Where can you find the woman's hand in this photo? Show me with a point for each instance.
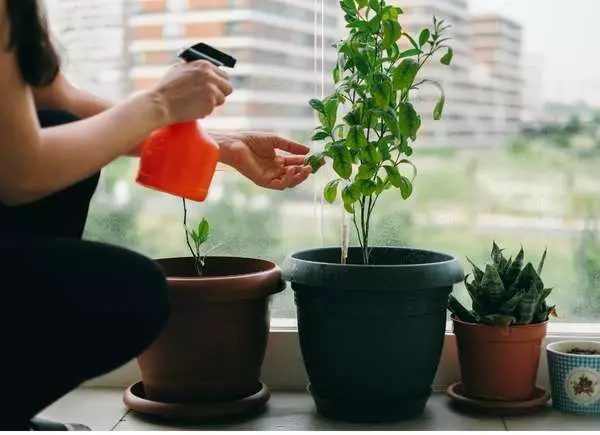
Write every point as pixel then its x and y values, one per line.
pixel 191 91
pixel 254 156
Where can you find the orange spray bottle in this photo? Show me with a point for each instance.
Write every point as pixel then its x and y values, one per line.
pixel 181 159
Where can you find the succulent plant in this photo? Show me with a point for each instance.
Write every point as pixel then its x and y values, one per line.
pixel 505 293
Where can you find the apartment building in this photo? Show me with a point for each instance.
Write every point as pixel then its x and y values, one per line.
pixel 483 86
pixel 278 44
pixel 497 45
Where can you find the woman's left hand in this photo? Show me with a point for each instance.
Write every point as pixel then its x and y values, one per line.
pixel 254 155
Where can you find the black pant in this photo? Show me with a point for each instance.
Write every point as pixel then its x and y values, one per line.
pixel 70 310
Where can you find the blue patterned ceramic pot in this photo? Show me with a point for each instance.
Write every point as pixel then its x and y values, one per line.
pixel 575 376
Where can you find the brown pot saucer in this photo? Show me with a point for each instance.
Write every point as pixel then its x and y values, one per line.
pixel 134 398
pixel 497 408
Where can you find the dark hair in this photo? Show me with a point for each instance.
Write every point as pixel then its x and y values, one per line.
pixel 30 41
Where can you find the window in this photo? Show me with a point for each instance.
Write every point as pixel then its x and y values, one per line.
pixel 493 176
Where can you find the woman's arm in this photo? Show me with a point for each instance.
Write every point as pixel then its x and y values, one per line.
pixel 63 95
pixel 37 162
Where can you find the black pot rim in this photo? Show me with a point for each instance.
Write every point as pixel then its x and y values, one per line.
pixel 443 272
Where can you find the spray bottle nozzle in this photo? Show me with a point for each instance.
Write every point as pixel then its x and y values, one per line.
pixel 202 51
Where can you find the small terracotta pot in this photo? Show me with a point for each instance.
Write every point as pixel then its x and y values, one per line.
pixel 214 344
pixel 495 366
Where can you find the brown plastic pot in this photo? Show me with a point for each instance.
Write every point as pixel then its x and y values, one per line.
pixel 214 344
pixel 498 366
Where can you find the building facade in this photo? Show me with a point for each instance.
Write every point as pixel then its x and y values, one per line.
pixel 277 44
pixel 483 85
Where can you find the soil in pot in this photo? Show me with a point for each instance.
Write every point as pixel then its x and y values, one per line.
pixel 371 336
pixel 497 366
pixel 213 346
pixel 578 351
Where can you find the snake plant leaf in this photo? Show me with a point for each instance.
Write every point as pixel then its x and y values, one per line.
pixel 477 272
pixel 498 258
pixel 511 305
pixel 527 306
pixel 501 321
pixel 460 311
pixel 524 280
pixel 542 261
pixel 513 269
pixel 491 283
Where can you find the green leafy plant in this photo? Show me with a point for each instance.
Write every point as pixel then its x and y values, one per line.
pixel 505 293
pixel 375 81
pixel 198 236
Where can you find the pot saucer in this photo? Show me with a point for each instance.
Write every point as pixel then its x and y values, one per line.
pixel 134 397
pixel 490 407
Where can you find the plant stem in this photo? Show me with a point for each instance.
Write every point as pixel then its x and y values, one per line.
pixel 196 257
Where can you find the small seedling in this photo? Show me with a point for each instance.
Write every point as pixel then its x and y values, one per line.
pixel 196 238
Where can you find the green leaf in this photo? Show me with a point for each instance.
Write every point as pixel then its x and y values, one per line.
pixel 194 235
pixel 390 119
pixel 409 53
pixel 366 171
pixel 203 231
pixel 380 185
pixel 391 13
pixel 362 65
pixel 391 32
pixel 367 187
pixel 320 135
pixel 459 311
pixel 393 175
pixel 542 261
pixel 317 105
pixel 375 5
pixel 404 74
pixel 527 306
pixel 513 269
pixel 384 149
pixel 342 160
pixel 331 108
pixel 362 3
pixel 350 194
pixel 352 118
pixel 336 74
pixel 330 191
pixel 424 36
pixel 447 58
pixel 409 121
pixel 477 272
pixel 411 164
pixel 356 137
pixel 406 188
pixel 349 7
pixel 315 161
pixel 374 24
pixel 413 43
pixel 491 284
pixel 439 108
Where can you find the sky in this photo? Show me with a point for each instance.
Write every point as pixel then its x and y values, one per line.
pixel 559 39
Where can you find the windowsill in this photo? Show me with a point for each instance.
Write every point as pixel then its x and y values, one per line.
pixel 102 409
pixel 283 367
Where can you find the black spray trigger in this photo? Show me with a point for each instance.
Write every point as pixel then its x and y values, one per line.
pixel 202 51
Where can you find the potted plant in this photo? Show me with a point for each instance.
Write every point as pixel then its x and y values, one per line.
pixel 499 339
pixel 574 368
pixel 371 319
pixel 207 361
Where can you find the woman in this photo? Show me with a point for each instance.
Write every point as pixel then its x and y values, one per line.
pixel 71 309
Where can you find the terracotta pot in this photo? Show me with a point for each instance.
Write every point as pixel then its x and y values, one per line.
pixel 495 366
pixel 214 344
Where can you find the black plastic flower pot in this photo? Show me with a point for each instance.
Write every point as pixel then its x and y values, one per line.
pixel 371 336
